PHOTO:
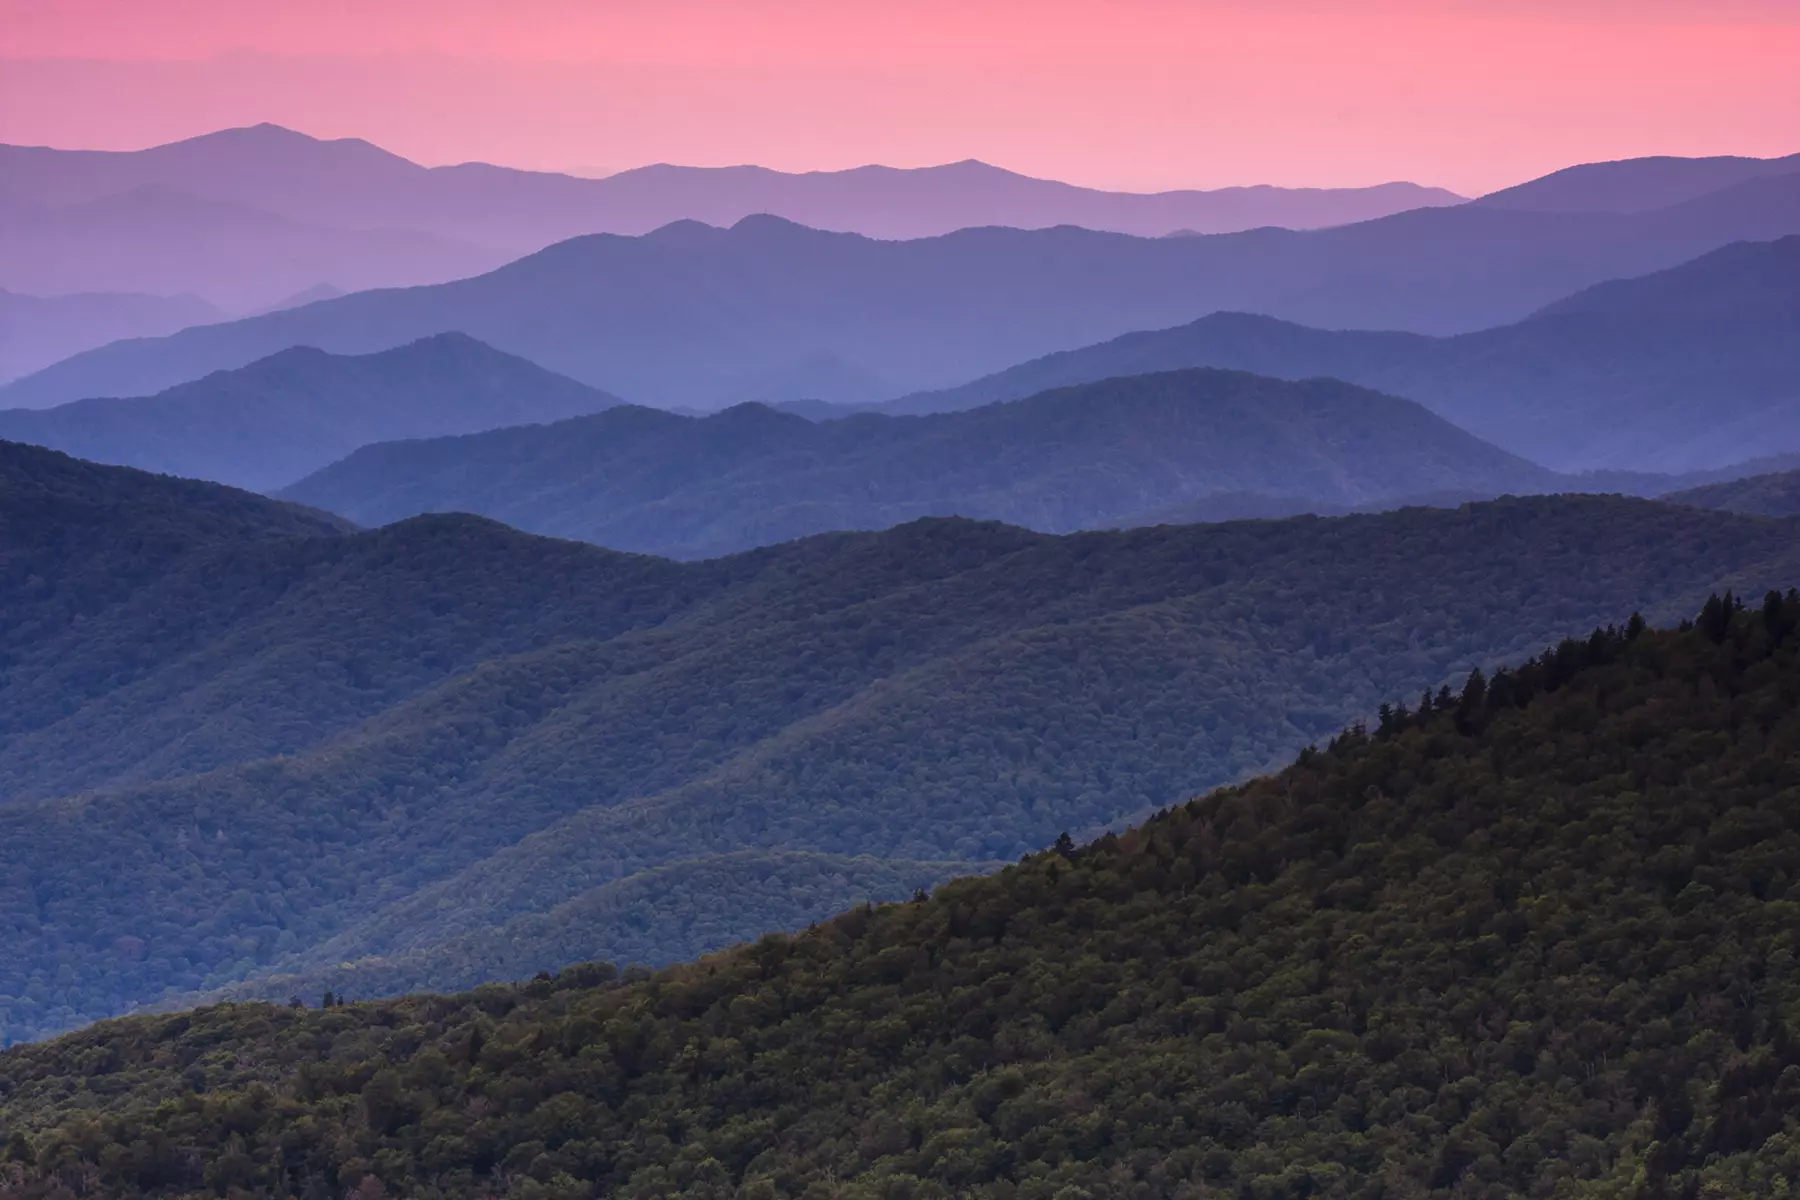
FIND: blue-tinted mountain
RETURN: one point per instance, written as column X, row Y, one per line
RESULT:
column 1689, row 368
column 1635, row 185
column 350, row 184
column 705, row 317
column 1075, row 458
column 268, row 424
column 36, row 331
column 161, row 238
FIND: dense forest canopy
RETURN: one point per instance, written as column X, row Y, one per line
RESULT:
column 1531, row 936
column 444, row 751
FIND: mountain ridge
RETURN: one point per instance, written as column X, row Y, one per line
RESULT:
column 695, row 316
column 270, row 423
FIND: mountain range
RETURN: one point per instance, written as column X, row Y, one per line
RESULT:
column 1531, row 938
column 158, row 238
column 349, row 184
column 36, row 331
column 768, row 310
column 269, row 424
column 1685, row 369
column 239, row 741
column 1100, row 454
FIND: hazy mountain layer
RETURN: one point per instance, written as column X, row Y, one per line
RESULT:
column 268, row 424
column 637, row 479
column 767, row 310
column 36, row 331
column 165, row 239
column 351, row 184
column 224, row 757
column 1689, row 368
column 1534, row 939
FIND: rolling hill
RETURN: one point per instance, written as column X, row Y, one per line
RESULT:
column 1636, row 184
column 1095, row 455
column 225, row 758
column 351, row 184
column 269, row 424
column 768, row 310
column 1533, row 939
column 1684, row 369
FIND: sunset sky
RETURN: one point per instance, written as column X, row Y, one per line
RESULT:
column 1139, row 94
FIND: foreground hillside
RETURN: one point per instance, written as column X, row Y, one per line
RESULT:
column 1096, row 455
column 1535, row 938
column 268, row 424
column 1608, row 378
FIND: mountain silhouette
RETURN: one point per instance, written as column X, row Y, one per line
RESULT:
column 352, row 184
column 36, row 331
column 267, row 424
column 1635, row 184
column 1081, row 457
column 705, row 317
column 161, row 238
column 1694, row 367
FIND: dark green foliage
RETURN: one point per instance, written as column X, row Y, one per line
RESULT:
column 1612, row 377
column 268, row 424
column 1096, row 455
column 1536, row 941
column 1772, row 495
column 680, row 911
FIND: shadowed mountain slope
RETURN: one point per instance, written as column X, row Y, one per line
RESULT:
column 266, row 755
column 1533, row 940
column 268, row 424
column 637, row 479
column 704, row 317
column 1636, row 184
column 1689, row 368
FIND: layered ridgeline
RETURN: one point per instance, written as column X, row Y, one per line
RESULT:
column 347, row 183
column 268, row 424
column 1536, row 938
column 245, row 756
column 768, row 310
column 1689, row 368
column 1116, row 452
column 1772, row 495
column 36, row 331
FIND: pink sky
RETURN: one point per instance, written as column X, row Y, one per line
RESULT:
column 1140, row 94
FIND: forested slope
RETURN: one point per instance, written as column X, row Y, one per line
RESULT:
column 278, row 756
column 1534, row 938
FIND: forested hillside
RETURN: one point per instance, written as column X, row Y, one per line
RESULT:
column 268, row 424
column 1073, row 458
column 1530, row 936
column 235, row 756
